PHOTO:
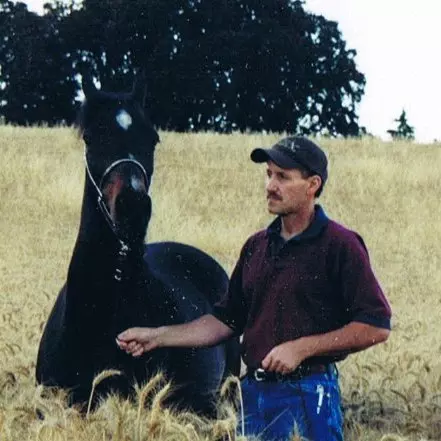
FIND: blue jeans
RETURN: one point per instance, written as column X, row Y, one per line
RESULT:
column 309, row 407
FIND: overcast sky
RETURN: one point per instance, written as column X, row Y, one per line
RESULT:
column 398, row 46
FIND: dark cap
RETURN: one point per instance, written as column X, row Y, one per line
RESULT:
column 295, row 152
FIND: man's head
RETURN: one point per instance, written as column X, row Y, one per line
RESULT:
column 297, row 171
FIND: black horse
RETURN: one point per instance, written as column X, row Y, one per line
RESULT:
column 116, row 281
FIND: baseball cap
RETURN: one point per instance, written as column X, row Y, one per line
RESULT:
column 295, row 152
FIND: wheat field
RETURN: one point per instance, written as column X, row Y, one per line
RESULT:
column 206, row 192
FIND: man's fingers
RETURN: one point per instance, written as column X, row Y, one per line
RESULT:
column 132, row 346
column 283, row 368
column 272, row 363
column 121, row 344
column 138, row 350
column 128, row 334
column 268, row 362
column 278, row 360
column 275, row 365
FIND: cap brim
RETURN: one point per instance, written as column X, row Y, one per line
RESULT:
column 279, row 158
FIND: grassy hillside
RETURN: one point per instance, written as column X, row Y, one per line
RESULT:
column 208, row 193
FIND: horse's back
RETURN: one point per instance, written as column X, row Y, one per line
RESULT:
column 185, row 265
column 198, row 282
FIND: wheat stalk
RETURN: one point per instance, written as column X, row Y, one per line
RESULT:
column 39, row 400
column 390, row 437
column 191, row 420
column 156, row 408
column 47, row 431
column 154, row 381
column 2, row 421
column 222, row 427
column 178, row 430
column 97, row 380
column 224, row 389
column 296, row 435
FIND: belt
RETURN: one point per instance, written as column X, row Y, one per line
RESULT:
column 299, row 373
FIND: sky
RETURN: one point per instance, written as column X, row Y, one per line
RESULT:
column 398, row 49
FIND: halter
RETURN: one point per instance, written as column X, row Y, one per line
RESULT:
column 124, row 248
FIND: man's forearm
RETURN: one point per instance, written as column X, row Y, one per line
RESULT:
column 353, row 337
column 204, row 331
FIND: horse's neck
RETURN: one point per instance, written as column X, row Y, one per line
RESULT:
column 101, row 284
column 99, row 257
column 93, row 226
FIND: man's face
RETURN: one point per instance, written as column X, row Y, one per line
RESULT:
column 287, row 191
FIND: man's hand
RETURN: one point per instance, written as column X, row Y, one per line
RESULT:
column 205, row 331
column 285, row 357
column 136, row 341
column 353, row 337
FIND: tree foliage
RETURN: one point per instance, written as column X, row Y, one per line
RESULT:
column 36, row 78
column 218, row 65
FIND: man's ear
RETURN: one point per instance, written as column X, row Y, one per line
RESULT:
column 315, row 183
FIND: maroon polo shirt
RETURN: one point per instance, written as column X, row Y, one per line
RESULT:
column 314, row 283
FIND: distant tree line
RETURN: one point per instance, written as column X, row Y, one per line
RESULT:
column 211, row 65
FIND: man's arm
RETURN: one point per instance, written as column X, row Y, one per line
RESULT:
column 353, row 337
column 204, row 331
column 228, row 318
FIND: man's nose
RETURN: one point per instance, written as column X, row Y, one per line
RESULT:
column 270, row 184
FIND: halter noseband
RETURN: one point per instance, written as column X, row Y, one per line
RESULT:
column 101, row 203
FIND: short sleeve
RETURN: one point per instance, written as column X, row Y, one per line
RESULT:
column 363, row 296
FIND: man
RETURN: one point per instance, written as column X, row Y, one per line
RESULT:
column 303, row 295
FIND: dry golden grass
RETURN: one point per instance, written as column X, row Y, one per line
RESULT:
column 207, row 193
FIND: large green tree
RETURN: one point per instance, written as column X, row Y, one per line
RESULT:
column 218, row 65
column 36, row 81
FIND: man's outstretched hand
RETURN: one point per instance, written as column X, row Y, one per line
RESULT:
column 136, row 341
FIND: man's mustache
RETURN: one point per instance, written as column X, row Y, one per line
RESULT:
column 271, row 195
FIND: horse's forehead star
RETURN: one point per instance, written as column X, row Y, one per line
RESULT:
column 123, row 119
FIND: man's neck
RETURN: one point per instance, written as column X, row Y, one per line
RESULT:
column 296, row 223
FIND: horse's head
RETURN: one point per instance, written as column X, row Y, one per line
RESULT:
column 120, row 144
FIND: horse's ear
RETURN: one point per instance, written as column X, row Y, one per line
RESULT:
column 88, row 85
column 139, row 90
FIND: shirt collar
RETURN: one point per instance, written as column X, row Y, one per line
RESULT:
column 314, row 229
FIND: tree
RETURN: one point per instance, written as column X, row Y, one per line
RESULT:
column 262, row 65
column 220, row 65
column 36, row 72
column 403, row 130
